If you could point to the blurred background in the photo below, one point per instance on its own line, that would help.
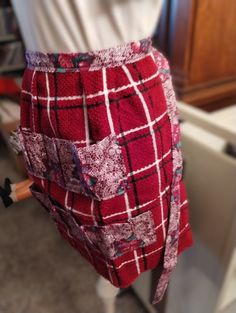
(39, 272)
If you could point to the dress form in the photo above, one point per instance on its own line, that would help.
(78, 25)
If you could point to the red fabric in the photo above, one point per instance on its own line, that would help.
(52, 104)
(8, 86)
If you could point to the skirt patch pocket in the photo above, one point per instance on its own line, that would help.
(101, 167)
(97, 170)
(116, 239)
(112, 240)
(62, 217)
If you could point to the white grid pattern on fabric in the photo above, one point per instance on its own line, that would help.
(150, 165)
(99, 93)
(140, 169)
(74, 220)
(109, 116)
(130, 209)
(147, 254)
(132, 130)
(145, 107)
(140, 205)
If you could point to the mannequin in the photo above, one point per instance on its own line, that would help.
(41, 23)
(85, 25)
(77, 52)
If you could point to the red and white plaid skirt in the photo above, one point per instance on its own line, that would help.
(100, 137)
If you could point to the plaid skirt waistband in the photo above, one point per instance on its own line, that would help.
(91, 60)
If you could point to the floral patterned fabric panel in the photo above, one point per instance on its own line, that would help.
(98, 170)
(116, 239)
(111, 240)
(93, 60)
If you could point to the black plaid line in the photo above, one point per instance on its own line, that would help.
(158, 128)
(72, 201)
(61, 208)
(137, 202)
(125, 144)
(96, 202)
(49, 186)
(163, 163)
(55, 109)
(101, 222)
(116, 274)
(162, 147)
(143, 90)
(94, 105)
(121, 220)
(153, 172)
(144, 135)
(129, 160)
(70, 209)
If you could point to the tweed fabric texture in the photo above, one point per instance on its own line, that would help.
(100, 136)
